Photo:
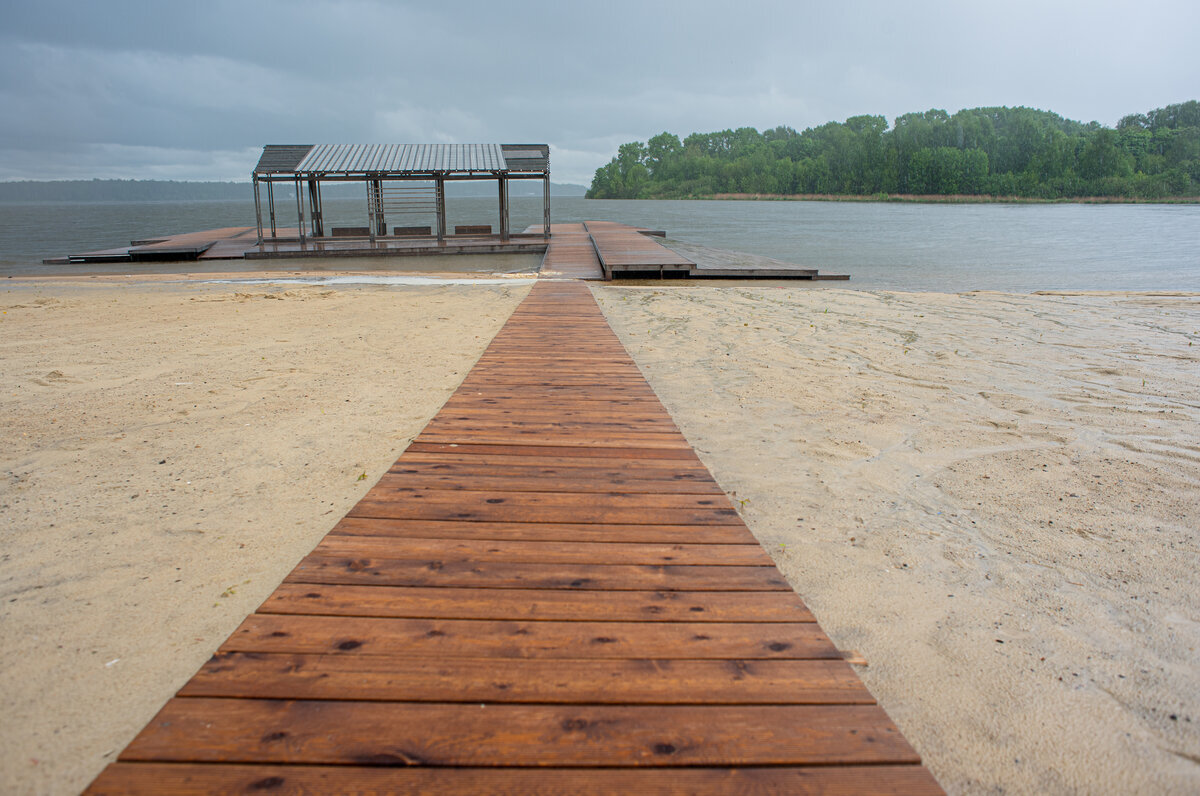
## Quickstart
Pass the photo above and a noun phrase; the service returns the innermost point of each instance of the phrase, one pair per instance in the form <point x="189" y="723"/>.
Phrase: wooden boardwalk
<point x="570" y="254"/>
<point x="547" y="593"/>
<point x="623" y="249"/>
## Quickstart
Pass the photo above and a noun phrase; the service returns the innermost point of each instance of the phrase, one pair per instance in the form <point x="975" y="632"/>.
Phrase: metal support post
<point x="380" y="227"/>
<point x="314" y="206"/>
<point x="503" y="208"/>
<point x="441" y="209"/>
<point x="370" y="210"/>
<point x="300" y="208"/>
<point x="546" y="205"/>
<point x="257" y="209"/>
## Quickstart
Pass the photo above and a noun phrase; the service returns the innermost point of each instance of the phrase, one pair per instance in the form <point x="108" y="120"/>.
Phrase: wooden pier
<point x="547" y="593"/>
<point x="587" y="250"/>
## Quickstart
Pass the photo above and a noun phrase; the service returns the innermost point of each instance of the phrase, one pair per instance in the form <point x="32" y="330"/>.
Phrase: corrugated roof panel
<point x="281" y="158"/>
<point x="376" y="158"/>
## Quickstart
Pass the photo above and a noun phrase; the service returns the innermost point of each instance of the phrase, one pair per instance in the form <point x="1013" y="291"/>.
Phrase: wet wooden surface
<point x="570" y="254"/>
<point x="622" y="248"/>
<point x="547" y="593"/>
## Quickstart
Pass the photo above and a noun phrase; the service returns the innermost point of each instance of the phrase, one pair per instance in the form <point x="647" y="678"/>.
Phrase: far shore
<point x="946" y="199"/>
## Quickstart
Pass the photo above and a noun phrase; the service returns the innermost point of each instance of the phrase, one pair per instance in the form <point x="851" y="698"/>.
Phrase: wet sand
<point x="992" y="498"/>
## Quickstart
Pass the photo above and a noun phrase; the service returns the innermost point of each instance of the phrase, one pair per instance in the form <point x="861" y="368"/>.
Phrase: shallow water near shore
<point x="952" y="248"/>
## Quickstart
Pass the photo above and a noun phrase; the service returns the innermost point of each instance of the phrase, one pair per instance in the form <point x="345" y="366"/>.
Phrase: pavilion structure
<point x="402" y="182"/>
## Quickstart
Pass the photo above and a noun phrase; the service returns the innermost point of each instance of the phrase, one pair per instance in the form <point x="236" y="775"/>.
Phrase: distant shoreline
<point x="943" y="199"/>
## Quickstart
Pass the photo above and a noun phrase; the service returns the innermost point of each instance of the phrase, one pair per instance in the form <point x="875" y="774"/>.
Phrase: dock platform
<point x="588" y="250"/>
<point x="547" y="592"/>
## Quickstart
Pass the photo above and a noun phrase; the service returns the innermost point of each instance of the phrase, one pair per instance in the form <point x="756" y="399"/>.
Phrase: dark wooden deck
<point x="608" y="250"/>
<point x="588" y="250"/>
<point x="239" y="243"/>
<point x="624" y="250"/>
<point x="570" y="254"/>
<point x="547" y="593"/>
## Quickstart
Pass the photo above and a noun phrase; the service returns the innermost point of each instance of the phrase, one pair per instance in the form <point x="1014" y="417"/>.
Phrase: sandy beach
<point x="171" y="451"/>
<point x="993" y="499"/>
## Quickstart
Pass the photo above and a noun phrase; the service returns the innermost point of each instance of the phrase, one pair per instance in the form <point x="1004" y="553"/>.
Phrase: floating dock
<point x="588" y="250"/>
<point x="547" y="592"/>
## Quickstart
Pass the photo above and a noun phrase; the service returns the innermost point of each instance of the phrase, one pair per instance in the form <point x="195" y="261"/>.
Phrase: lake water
<point x="1018" y="247"/>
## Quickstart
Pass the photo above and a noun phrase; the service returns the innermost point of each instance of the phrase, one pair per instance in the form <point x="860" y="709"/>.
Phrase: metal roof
<point x="281" y="158"/>
<point x="402" y="158"/>
<point x="526" y="157"/>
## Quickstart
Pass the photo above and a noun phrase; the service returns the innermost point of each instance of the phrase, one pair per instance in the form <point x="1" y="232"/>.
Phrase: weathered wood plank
<point x="599" y="512"/>
<point x="478" y="499"/>
<point x="560" y="451"/>
<point x="471" y="638"/>
<point x="192" y="779"/>
<point x="434" y="734"/>
<point x="533" y="531"/>
<point x="444" y="550"/>
<point x="535" y="604"/>
<point x="390" y="678"/>
<point x="641" y="467"/>
<point x="512" y="575"/>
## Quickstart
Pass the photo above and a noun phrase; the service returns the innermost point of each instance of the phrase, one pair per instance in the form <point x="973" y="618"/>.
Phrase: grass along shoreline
<point x="941" y="198"/>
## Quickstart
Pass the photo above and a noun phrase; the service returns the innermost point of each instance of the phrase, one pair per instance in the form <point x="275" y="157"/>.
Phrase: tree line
<point x="1001" y="152"/>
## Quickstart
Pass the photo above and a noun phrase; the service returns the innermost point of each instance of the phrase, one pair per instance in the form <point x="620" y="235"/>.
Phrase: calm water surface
<point x="1017" y="248"/>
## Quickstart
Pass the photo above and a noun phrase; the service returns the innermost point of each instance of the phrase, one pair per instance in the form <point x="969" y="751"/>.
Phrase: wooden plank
<point x="457" y="482"/>
<point x="416" y="602"/>
<point x="554" y="451"/>
<point x="621" y="429"/>
<point x="466" y="467"/>
<point x="444" y="550"/>
<point x="191" y="779"/>
<point x="480" y="499"/>
<point x="525" y="512"/>
<point x="544" y="439"/>
<point x="563" y="412"/>
<point x="642" y="466"/>
<point x="434" y="734"/>
<point x="565" y="531"/>
<point x="467" y="474"/>
<point x="374" y="678"/>
<point x="471" y="638"/>
<point x="507" y="575"/>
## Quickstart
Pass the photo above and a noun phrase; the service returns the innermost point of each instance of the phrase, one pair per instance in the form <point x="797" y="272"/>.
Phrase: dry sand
<point x="170" y="452"/>
<point x="995" y="499"/>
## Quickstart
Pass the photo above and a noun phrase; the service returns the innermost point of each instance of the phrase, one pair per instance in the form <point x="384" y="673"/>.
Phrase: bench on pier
<point x="350" y="232"/>
<point x="402" y="232"/>
<point x="473" y="229"/>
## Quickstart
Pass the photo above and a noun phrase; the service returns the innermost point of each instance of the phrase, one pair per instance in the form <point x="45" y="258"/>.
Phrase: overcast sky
<point x="192" y="90"/>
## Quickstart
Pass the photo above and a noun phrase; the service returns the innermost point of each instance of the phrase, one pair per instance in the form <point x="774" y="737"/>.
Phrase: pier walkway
<point x="547" y="592"/>
<point x="570" y="254"/>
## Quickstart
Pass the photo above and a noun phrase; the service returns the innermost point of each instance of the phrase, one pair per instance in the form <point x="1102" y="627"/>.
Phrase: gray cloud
<point x="153" y="89"/>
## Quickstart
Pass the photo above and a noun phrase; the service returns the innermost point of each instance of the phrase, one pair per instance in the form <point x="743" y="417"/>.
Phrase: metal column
<point x="441" y="208"/>
<point x="271" y="205"/>
<point x="546" y="205"/>
<point x="300" y="208"/>
<point x="503" y="208"/>
<point x="378" y="220"/>
<point x="314" y="206"/>
<point x="257" y="209"/>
